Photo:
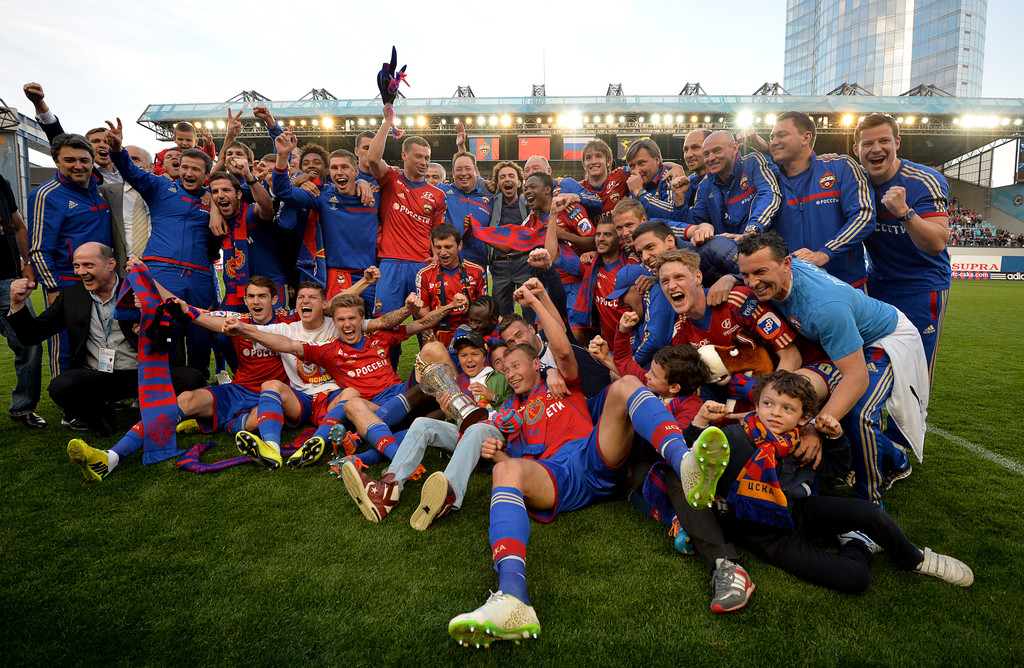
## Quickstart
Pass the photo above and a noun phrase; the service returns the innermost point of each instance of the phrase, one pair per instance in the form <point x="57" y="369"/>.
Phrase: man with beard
<point x="509" y="269"/>
<point x="410" y="208"/>
<point x="446" y="276"/>
<point x="598" y="282"/>
<point x="740" y="194"/>
<point x="181" y="244"/>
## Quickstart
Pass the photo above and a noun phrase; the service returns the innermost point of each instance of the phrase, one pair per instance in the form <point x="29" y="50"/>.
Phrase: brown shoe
<point x="375" y="498"/>
<point x="436" y="500"/>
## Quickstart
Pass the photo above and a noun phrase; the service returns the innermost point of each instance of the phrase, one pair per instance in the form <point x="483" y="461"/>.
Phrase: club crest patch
<point x="827" y="181"/>
<point x="534" y="410"/>
<point x="744" y="182"/>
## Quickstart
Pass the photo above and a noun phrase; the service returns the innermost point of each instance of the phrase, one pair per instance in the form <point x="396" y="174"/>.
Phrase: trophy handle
<point x="479" y="415"/>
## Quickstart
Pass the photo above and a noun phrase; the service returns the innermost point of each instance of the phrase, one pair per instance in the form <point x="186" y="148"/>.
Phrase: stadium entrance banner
<point x="572" y="147"/>
<point x="531" y="146"/>
<point x="622" y="143"/>
<point x="484" y="148"/>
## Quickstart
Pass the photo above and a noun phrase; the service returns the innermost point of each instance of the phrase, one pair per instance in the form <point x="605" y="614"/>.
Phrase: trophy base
<point x="478" y="415"/>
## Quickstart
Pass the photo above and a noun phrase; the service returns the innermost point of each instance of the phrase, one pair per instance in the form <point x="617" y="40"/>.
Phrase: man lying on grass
<point x="773" y="512"/>
<point x="554" y="459"/>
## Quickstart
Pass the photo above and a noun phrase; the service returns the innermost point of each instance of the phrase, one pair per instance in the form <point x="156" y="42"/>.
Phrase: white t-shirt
<point x="305" y="377"/>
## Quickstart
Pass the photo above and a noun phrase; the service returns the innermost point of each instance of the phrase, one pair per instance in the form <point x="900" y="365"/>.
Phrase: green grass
<point x="246" y="567"/>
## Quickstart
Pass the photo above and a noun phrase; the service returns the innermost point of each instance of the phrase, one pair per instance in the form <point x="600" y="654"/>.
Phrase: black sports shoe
<point x="30" y="419"/>
<point x="78" y="424"/>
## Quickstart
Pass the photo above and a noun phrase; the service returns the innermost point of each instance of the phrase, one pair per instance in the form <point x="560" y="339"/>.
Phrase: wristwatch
<point x="252" y="182"/>
<point x="908" y="216"/>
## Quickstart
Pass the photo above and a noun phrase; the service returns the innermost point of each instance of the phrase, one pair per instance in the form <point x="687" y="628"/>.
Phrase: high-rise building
<point x="886" y="46"/>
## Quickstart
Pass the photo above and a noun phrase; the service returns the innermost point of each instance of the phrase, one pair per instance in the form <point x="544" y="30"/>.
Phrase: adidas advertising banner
<point x="970" y="264"/>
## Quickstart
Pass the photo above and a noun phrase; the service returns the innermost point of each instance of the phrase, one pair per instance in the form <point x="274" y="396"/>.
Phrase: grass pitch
<point x="246" y="567"/>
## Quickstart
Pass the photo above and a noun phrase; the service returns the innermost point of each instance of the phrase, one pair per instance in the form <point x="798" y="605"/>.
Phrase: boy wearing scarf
<point x="773" y="508"/>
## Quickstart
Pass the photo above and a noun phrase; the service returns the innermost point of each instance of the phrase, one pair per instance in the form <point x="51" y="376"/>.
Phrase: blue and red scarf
<point x="157" y="401"/>
<point x="236" y="258"/>
<point x="517" y="237"/>
<point x="757" y="495"/>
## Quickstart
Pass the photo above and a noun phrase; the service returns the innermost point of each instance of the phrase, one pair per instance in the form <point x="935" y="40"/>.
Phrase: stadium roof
<point x="936" y="129"/>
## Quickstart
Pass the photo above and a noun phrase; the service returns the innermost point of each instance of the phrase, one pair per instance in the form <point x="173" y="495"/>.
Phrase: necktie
<point x="140" y="227"/>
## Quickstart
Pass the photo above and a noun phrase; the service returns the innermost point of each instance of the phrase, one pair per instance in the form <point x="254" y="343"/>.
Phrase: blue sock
<point x="237" y="424"/>
<point x="393" y="410"/>
<point x="509" y="530"/>
<point x="270" y="416"/>
<point x="381" y="439"/>
<point x="370" y="457"/>
<point x="652" y="421"/>
<point x="333" y="417"/>
<point x="131" y="442"/>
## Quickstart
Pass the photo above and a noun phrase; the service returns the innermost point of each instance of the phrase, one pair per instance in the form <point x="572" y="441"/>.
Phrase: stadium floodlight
<point x="315" y="122"/>
<point x="469" y="120"/>
<point x="1005" y="121"/>
<point x="609" y="119"/>
<point x="572" y="120"/>
<point x="327" y="122"/>
<point x="720" y="119"/>
<point x="302" y="122"/>
<point x="924" y="120"/>
<point x="291" y="122"/>
<point x="550" y="120"/>
<point x="707" y="119"/>
<point x="899" y="120"/>
<point x="198" y="124"/>
<point x="493" y="120"/>
<point x="444" y="121"/>
<point x="693" y="119"/>
<point x="519" y="119"/>
<point x="757" y="120"/>
<point x="956" y="121"/>
<point x="770" y="119"/>
<point x="362" y="121"/>
<point x="506" y="121"/>
<point x="421" y="121"/>
<point x="539" y="120"/>
<point x="409" y="120"/>
<point x="847" y="120"/>
<point x="655" y="118"/>
<point x="398" y="121"/>
<point x="1016" y="121"/>
<point x="622" y="119"/>
<point x="744" y="119"/>
<point x="910" y="120"/>
<point x="668" y="119"/>
<point x="220" y="125"/>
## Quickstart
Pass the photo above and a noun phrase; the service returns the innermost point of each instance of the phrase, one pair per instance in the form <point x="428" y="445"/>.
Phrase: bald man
<point x="740" y="194"/>
<point x="104" y="357"/>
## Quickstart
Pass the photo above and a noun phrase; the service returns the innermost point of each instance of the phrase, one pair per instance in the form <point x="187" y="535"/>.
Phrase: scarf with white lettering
<point x="757" y="495"/>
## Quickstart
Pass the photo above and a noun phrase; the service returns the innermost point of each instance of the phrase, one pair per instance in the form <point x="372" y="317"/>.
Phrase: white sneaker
<point x="945" y="568"/>
<point x="873" y="547"/>
<point x="502" y="617"/>
<point x="703" y="465"/>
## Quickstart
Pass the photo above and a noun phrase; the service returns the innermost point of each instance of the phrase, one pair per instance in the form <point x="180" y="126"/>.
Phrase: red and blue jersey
<point x="741" y="314"/>
<point x="894" y="259"/>
<point x="408" y="212"/>
<point x="829" y="208"/>
<point x="548" y="423"/>
<point x="574" y="221"/>
<point x="437" y="287"/>
<point x="349" y="227"/>
<point x="476" y="203"/>
<point x="610" y="192"/>
<point x="599" y="282"/>
<point x="590" y="202"/>
<point x="364" y="366"/>
<point x="257" y="364"/>
<point x="62" y="217"/>
<point x="750" y="198"/>
<point x="181" y="223"/>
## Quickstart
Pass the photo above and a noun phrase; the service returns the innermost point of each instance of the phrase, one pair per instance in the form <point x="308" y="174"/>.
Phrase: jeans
<point x="28" y="360"/>
<point x="444" y="435"/>
<point x="505" y="278"/>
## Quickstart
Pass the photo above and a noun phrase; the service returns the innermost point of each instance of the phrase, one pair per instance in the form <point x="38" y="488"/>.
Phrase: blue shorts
<point x="305" y="409"/>
<point x="229" y="401"/>
<point x="397" y="280"/>
<point x="395" y="390"/>
<point x="580" y="476"/>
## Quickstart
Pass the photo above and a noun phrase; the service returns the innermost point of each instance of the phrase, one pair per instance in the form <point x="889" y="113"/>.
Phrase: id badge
<point x="106" y="360"/>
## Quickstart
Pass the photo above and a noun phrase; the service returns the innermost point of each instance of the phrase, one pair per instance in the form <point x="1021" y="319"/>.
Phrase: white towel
<point x="908" y="401"/>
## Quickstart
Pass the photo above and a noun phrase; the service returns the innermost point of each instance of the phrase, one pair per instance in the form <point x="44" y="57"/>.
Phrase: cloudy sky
<point x="101" y="60"/>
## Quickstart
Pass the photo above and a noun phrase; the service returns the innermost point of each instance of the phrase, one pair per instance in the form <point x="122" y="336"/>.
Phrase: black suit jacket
<point x="71" y="311"/>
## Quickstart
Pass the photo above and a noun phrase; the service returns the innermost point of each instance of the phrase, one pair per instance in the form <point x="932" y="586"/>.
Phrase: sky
<point x="112" y="59"/>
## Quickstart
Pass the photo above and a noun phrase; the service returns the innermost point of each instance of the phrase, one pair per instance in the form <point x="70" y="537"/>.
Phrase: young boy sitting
<point x="772" y="508"/>
<point x="443" y="490"/>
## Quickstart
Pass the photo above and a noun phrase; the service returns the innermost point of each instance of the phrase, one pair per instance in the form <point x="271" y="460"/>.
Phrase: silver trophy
<point x="439" y="380"/>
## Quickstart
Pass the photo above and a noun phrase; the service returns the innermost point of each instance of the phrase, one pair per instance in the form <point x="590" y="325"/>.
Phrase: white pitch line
<point x="978" y="450"/>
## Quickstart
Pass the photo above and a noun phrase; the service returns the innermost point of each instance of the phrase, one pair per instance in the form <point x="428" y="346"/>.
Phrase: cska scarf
<point x="757" y="495"/>
<point x="157" y="400"/>
<point x="516" y="237"/>
<point x="236" y="258"/>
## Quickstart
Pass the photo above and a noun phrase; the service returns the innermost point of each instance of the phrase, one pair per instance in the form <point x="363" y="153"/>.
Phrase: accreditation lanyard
<point x="105" y="358"/>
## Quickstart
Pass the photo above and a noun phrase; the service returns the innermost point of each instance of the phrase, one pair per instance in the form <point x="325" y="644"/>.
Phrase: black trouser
<point x="506" y="276"/>
<point x="86" y="393"/>
<point x="819" y="517"/>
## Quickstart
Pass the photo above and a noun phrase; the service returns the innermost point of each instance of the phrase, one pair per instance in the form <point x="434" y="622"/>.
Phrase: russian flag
<point x="572" y="147"/>
<point x="531" y="146"/>
<point x="484" y="148"/>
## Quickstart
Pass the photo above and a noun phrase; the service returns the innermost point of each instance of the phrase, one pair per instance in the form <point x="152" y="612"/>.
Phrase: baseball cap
<point x="471" y="339"/>
<point x="626" y="277"/>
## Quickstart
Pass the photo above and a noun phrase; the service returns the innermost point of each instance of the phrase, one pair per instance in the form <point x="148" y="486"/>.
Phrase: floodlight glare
<point x="421" y="121"/>
<point x="744" y="119"/>
<point x="655" y="118"/>
<point x="327" y="122"/>
<point x="770" y="119"/>
<point x="506" y="121"/>
<point x="493" y="120"/>
<point x="220" y="125"/>
<point x="847" y="120"/>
